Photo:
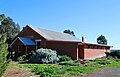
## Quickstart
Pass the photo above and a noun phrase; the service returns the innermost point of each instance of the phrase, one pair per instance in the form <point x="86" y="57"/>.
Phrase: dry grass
<point x="14" y="70"/>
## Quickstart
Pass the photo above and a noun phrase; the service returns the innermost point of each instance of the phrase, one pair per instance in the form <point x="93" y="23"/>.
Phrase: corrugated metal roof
<point x="55" y="36"/>
<point x="26" y="40"/>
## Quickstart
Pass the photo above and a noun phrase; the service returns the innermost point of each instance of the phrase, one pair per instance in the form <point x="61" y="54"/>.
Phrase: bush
<point x="65" y="58"/>
<point x="22" y="58"/>
<point x="103" y="61"/>
<point x="44" y="56"/>
<point x="115" y="54"/>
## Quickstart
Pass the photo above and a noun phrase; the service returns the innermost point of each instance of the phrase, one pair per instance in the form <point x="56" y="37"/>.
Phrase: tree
<point x="3" y="53"/>
<point x="3" y="49"/>
<point x="102" y="40"/>
<point x="2" y="16"/>
<point x="9" y="27"/>
<point x="69" y="32"/>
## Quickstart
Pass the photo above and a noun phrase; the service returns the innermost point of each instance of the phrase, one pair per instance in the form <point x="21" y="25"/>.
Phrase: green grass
<point x="114" y="64"/>
<point x="59" y="70"/>
<point x="56" y="70"/>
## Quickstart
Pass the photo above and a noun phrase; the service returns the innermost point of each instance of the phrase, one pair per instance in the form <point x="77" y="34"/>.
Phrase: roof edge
<point x="15" y="41"/>
<point x="64" y="41"/>
<point x="35" y="31"/>
<point x="96" y="44"/>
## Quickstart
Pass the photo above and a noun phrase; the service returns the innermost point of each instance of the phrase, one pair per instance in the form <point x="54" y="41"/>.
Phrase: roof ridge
<point x="51" y="30"/>
<point x="54" y="35"/>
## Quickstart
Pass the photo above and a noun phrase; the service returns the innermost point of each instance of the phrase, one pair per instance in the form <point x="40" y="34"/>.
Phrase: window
<point x="20" y="49"/>
<point x="91" y="46"/>
<point x="38" y="44"/>
<point x="95" y="47"/>
<point x="100" y="47"/>
<point x="88" y="46"/>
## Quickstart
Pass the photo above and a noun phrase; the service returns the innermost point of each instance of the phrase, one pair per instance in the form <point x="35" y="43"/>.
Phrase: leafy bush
<point x="71" y="63"/>
<point x="82" y="61"/>
<point x="22" y="58"/>
<point x="103" y="62"/>
<point x="110" y="58"/>
<point x="44" y="56"/>
<point x="115" y="54"/>
<point x="65" y="58"/>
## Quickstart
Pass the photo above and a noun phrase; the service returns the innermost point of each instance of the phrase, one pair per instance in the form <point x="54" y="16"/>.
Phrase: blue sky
<point x="89" y="18"/>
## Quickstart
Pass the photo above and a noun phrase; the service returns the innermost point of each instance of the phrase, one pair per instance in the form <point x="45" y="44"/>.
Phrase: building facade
<point x="32" y="38"/>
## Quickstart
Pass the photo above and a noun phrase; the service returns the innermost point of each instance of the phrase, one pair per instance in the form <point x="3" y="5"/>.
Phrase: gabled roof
<point x="54" y="36"/>
<point x="26" y="40"/>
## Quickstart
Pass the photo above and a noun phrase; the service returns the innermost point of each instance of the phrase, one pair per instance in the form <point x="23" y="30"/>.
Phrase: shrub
<point x="45" y="74"/>
<point x="103" y="62"/>
<point x="44" y="56"/>
<point x="115" y="54"/>
<point x="117" y="60"/>
<point x="65" y="58"/>
<point x="22" y="58"/>
<point x="82" y="61"/>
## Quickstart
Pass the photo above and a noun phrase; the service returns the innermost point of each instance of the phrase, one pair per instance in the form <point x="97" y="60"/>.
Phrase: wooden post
<point x="77" y="53"/>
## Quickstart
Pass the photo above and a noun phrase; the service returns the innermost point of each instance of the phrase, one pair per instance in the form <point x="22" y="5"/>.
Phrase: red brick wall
<point x="81" y="51"/>
<point x="93" y="53"/>
<point x="67" y="48"/>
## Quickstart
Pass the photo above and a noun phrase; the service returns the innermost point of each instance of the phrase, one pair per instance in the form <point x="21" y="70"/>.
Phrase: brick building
<point x="32" y="38"/>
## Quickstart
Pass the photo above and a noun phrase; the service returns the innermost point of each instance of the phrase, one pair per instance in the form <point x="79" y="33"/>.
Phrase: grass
<point x="56" y="70"/>
<point x="114" y="64"/>
<point x="59" y="70"/>
<point x="117" y="75"/>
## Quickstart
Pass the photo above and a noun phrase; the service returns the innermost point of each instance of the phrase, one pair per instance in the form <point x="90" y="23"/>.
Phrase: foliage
<point x="44" y="56"/>
<point x="22" y="58"/>
<point x="9" y="27"/>
<point x="56" y="70"/>
<point x="115" y="54"/>
<point x="69" y="32"/>
<point x="65" y="58"/>
<point x="103" y="62"/>
<point x="71" y="63"/>
<point x="102" y="40"/>
<point x="59" y="70"/>
<point x="87" y="62"/>
<point x="2" y="16"/>
<point x="3" y="54"/>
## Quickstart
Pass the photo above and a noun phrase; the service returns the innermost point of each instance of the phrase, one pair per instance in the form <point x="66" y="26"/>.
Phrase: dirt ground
<point x="14" y="71"/>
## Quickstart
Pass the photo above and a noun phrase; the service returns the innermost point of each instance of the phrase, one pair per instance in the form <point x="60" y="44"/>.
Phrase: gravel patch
<point x="103" y="72"/>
